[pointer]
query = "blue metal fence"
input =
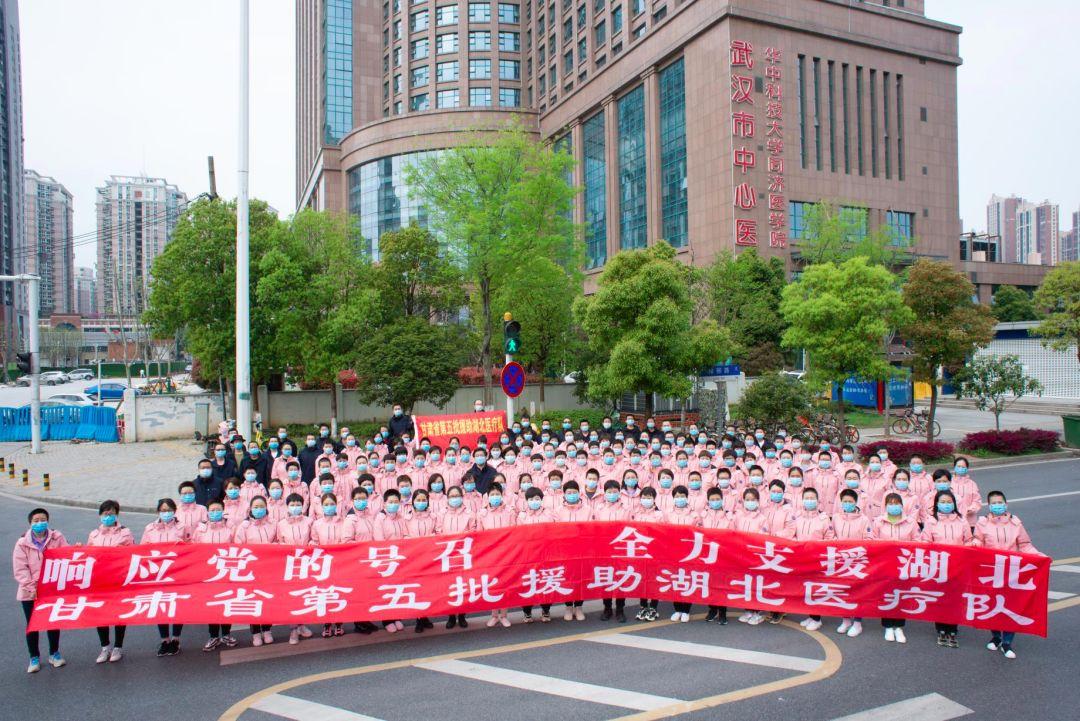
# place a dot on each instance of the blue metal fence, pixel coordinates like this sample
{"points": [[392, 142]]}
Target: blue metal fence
{"points": [[61, 423]]}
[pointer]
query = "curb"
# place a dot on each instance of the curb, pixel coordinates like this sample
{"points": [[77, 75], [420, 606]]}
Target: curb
{"points": [[72, 502], [976, 462]]}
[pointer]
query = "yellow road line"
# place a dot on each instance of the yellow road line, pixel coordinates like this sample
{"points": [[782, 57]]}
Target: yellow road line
{"points": [[1061, 605], [1063, 561], [828, 667]]}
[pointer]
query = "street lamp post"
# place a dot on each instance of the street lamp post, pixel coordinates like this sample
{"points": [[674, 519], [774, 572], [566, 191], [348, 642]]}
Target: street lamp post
{"points": [[33, 283], [243, 321]]}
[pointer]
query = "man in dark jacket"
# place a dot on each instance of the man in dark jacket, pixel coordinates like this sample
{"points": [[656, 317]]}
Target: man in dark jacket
{"points": [[258, 461], [480, 471], [400, 424], [207, 488], [223, 464], [308, 454], [324, 436]]}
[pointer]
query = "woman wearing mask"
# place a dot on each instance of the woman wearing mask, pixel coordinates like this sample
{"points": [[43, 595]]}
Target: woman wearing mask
{"points": [[496, 514], [217, 531], [812, 525], [167, 528], [946, 526], [390, 526], [420, 523], [26, 561], [457, 518], [850, 523], [750, 519], [189, 513], [294, 529], [570, 510], [968, 497], [714, 516], [900, 484], [610, 507], [110, 534], [295, 484], [235, 505], [257, 528], [332, 527], [893, 525], [646, 509]]}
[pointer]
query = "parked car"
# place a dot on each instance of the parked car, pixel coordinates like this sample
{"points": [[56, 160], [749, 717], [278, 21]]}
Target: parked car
{"points": [[81, 374], [48, 378], [70, 399], [53, 403], [108, 391]]}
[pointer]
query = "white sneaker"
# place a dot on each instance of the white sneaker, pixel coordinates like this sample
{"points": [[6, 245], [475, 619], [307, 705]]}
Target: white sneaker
{"points": [[813, 625], [294, 637], [756, 619], [1008, 653], [267, 637], [116, 655], [569, 615], [745, 618], [256, 639], [992, 646], [492, 622], [504, 621], [56, 660], [890, 634], [399, 625], [845, 624], [103, 657], [900, 637], [684, 617], [35, 665], [579, 614], [305, 632], [855, 630], [804, 622], [676, 616]]}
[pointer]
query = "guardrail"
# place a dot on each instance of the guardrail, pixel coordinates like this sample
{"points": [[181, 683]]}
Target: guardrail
{"points": [[61, 423]]}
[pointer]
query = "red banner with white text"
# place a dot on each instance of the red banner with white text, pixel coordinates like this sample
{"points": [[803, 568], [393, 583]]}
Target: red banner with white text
{"points": [[85, 586], [466, 427]]}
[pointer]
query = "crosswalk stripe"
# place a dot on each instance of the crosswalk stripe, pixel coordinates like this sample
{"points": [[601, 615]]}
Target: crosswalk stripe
{"points": [[1058, 595], [299, 709], [549, 685], [719, 653], [931, 707], [1066, 567]]}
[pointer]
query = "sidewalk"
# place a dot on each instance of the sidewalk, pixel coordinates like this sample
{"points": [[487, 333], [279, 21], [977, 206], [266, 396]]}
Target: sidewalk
{"points": [[958, 422], [84, 474]]}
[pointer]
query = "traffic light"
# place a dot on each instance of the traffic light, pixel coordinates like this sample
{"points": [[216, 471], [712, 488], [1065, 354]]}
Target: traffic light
{"points": [[23, 362], [511, 335]]}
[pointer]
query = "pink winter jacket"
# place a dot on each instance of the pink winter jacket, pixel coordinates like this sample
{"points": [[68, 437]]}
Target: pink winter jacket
{"points": [[1006, 533], [26, 561]]}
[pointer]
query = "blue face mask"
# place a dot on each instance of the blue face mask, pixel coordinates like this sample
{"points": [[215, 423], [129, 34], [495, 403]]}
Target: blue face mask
{"points": [[681, 502], [852, 483], [960, 470], [220, 453], [258, 513], [287, 452], [437, 487], [390, 466], [455, 501], [109, 519], [848, 457], [776, 496], [329, 510], [666, 482], [723, 482], [695, 485], [682, 463], [894, 509], [916, 467], [609, 460], [39, 527], [294, 511], [294, 474], [944, 507], [360, 504], [166, 516], [630, 482], [716, 504], [998, 509], [205, 472], [555, 484], [405, 491], [703, 463], [756, 480], [848, 506], [750, 505], [187, 497], [875, 467], [535, 503], [654, 462], [786, 462], [902, 485], [572, 497], [942, 486], [611, 496], [809, 504], [215, 516], [480, 460], [470, 486], [420, 505], [824, 464], [794, 481], [495, 501], [770, 454]]}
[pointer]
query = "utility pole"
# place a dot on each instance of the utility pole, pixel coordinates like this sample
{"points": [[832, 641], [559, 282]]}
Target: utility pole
{"points": [[35, 360], [213, 177], [243, 322]]}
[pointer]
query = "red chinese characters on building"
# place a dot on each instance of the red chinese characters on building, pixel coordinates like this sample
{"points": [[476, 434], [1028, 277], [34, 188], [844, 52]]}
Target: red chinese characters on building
{"points": [[744, 126]]}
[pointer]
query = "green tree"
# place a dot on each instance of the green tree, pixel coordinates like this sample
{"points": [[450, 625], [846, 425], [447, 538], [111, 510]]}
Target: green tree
{"points": [[774, 398], [991, 380], [1012, 305], [836, 233], [946, 326], [638, 325], [314, 286], [497, 199], [407, 361], [744, 296], [540, 295], [841, 315], [194, 287], [413, 277], [1059, 298]]}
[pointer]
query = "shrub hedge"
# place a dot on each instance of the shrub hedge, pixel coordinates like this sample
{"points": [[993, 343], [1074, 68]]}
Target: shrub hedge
{"points": [[900, 452], [1011, 443]]}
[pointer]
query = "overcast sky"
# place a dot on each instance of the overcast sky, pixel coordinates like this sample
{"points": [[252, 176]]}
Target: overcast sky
{"points": [[149, 86]]}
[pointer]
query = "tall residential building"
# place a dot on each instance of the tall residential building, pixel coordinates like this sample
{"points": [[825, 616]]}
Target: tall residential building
{"points": [[135, 219], [712, 125], [85, 293], [1001, 222], [1047, 233], [50, 253], [1036, 240], [13, 299]]}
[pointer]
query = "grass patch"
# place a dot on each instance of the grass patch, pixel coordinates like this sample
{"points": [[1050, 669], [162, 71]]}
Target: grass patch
{"points": [[983, 453], [864, 419]]}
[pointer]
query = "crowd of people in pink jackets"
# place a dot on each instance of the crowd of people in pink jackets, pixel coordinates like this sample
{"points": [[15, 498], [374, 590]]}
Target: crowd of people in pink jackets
{"points": [[392, 486]]}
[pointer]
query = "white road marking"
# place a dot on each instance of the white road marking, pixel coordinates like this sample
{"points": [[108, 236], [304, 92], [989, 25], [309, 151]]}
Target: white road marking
{"points": [[1066, 567], [1058, 595], [549, 685], [1039, 498], [719, 653], [299, 709], [1029, 463], [931, 707]]}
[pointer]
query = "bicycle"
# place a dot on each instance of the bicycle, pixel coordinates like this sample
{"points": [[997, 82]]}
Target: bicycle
{"points": [[913, 421]]}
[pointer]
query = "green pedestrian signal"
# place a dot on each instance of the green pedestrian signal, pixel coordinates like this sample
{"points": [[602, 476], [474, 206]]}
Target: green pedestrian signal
{"points": [[511, 337]]}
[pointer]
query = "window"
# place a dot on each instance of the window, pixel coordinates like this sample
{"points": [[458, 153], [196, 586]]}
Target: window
{"points": [[568, 62], [553, 78], [419, 21], [616, 20], [632, 206], [541, 86], [601, 33], [832, 117], [509, 41], [900, 127], [902, 226], [419, 76], [541, 55], [386, 91], [419, 102], [479, 12], [673, 193], [397, 108], [480, 40], [858, 116], [801, 102], [419, 49], [510, 69], [397, 57], [797, 217], [567, 30], [847, 121], [337, 79], [817, 113], [509, 13], [509, 97], [873, 123], [480, 69], [598, 5], [639, 31], [594, 162], [397, 83], [659, 14], [581, 16], [446, 72], [886, 115], [616, 48], [446, 15], [447, 98], [446, 43], [397, 30], [855, 221], [582, 50], [637, 7], [480, 97]]}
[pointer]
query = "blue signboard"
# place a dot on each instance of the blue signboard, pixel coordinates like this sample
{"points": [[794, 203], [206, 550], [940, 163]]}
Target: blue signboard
{"points": [[865, 393], [722, 369]]}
